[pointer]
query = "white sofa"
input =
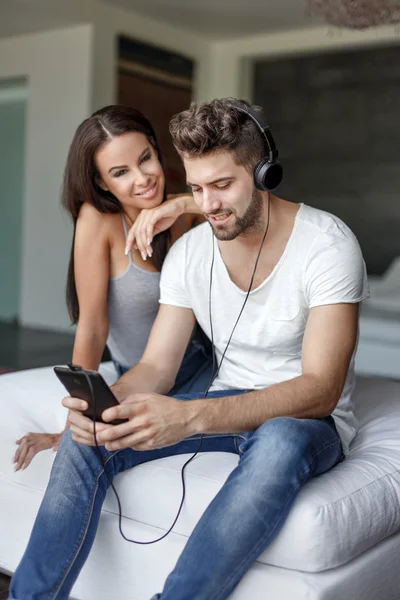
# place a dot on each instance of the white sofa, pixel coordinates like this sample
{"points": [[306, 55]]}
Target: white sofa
{"points": [[340, 542]]}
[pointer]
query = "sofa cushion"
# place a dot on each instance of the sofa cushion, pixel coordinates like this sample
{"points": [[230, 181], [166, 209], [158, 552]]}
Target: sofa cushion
{"points": [[336, 517]]}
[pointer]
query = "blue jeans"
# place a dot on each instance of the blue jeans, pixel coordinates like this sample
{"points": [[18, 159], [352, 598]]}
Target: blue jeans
{"points": [[195, 372], [275, 461]]}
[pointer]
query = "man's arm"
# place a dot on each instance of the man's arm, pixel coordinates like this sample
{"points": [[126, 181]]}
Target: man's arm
{"points": [[157, 369], [157, 421], [329, 341], [154, 373]]}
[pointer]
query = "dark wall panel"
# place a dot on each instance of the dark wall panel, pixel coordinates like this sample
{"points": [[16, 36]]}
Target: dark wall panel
{"points": [[336, 120]]}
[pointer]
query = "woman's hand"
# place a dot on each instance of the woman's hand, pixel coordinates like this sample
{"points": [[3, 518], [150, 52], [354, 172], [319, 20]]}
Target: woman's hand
{"points": [[32, 443], [152, 221]]}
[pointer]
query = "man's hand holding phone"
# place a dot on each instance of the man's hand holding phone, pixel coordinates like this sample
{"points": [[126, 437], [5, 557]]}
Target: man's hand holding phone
{"points": [[82, 428], [143, 421], [89, 396], [153, 421]]}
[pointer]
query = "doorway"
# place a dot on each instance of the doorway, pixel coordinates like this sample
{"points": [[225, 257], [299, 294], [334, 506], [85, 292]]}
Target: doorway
{"points": [[159, 84], [13, 103]]}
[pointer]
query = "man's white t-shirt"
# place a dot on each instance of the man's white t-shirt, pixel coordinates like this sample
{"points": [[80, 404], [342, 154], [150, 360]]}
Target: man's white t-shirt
{"points": [[321, 264]]}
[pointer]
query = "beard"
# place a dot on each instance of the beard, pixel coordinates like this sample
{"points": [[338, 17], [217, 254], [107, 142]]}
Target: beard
{"points": [[251, 223]]}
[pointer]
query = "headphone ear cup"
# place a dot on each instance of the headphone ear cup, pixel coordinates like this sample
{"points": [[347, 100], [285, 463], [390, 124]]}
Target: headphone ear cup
{"points": [[268, 175]]}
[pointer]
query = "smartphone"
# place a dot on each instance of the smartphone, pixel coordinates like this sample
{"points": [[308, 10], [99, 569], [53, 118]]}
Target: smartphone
{"points": [[74, 380]]}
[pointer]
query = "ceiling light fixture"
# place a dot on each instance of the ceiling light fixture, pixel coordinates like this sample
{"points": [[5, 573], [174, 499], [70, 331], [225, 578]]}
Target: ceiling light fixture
{"points": [[356, 14]]}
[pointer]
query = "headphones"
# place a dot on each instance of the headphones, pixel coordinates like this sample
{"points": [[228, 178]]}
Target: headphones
{"points": [[267, 176], [269, 171]]}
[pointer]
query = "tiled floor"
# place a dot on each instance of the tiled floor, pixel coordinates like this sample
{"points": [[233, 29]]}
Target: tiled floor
{"points": [[26, 348], [4, 583]]}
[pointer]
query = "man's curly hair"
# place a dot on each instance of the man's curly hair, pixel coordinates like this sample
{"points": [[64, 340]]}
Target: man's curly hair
{"points": [[206, 127]]}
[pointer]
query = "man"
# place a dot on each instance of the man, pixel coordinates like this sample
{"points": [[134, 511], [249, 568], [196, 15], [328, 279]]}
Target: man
{"points": [[285, 366]]}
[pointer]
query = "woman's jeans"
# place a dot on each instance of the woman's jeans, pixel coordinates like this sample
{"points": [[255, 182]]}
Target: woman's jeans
{"points": [[195, 372], [274, 462]]}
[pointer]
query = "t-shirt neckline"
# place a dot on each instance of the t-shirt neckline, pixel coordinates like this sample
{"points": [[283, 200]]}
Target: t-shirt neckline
{"points": [[278, 264]]}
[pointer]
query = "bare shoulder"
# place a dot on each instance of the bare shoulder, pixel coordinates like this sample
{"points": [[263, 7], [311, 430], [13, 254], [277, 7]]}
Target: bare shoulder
{"points": [[89, 215], [184, 224], [91, 220]]}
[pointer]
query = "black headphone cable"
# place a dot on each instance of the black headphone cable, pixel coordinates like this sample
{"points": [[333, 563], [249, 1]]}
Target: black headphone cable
{"points": [[213, 377]]}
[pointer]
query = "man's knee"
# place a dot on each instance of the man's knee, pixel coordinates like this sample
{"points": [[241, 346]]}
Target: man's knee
{"points": [[73, 457], [280, 441], [68, 447]]}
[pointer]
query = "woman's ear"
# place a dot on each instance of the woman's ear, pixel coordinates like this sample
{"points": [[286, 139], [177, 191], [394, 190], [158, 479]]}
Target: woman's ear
{"points": [[101, 184]]}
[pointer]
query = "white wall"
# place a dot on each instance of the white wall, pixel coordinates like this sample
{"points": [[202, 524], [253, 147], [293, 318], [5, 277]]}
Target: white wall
{"points": [[58, 67], [72, 72], [108, 21]]}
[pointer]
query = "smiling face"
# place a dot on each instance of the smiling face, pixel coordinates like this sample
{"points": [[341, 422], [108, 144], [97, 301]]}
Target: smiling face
{"points": [[225, 193], [129, 168]]}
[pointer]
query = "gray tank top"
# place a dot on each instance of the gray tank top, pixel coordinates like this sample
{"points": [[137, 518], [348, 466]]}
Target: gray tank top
{"points": [[133, 303]]}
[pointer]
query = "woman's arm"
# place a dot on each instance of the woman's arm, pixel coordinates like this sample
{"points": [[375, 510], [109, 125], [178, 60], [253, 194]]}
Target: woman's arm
{"points": [[151, 222], [187, 202], [92, 272]]}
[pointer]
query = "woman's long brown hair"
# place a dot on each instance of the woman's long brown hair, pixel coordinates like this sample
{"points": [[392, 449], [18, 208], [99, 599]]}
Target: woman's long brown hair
{"points": [[81, 178]]}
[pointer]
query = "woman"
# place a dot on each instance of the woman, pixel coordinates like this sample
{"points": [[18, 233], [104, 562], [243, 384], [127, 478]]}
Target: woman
{"points": [[114, 181]]}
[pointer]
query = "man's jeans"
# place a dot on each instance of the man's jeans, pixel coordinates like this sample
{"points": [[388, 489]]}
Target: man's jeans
{"points": [[275, 461]]}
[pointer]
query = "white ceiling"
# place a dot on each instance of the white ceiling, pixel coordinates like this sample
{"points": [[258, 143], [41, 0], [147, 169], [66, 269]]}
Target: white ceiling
{"points": [[225, 18], [18, 17], [215, 19]]}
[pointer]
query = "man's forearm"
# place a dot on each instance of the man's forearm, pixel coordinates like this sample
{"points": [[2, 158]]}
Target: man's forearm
{"points": [[143, 377], [305, 397]]}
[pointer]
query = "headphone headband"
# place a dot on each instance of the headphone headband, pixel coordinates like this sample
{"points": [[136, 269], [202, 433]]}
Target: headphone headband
{"points": [[262, 125], [268, 172]]}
